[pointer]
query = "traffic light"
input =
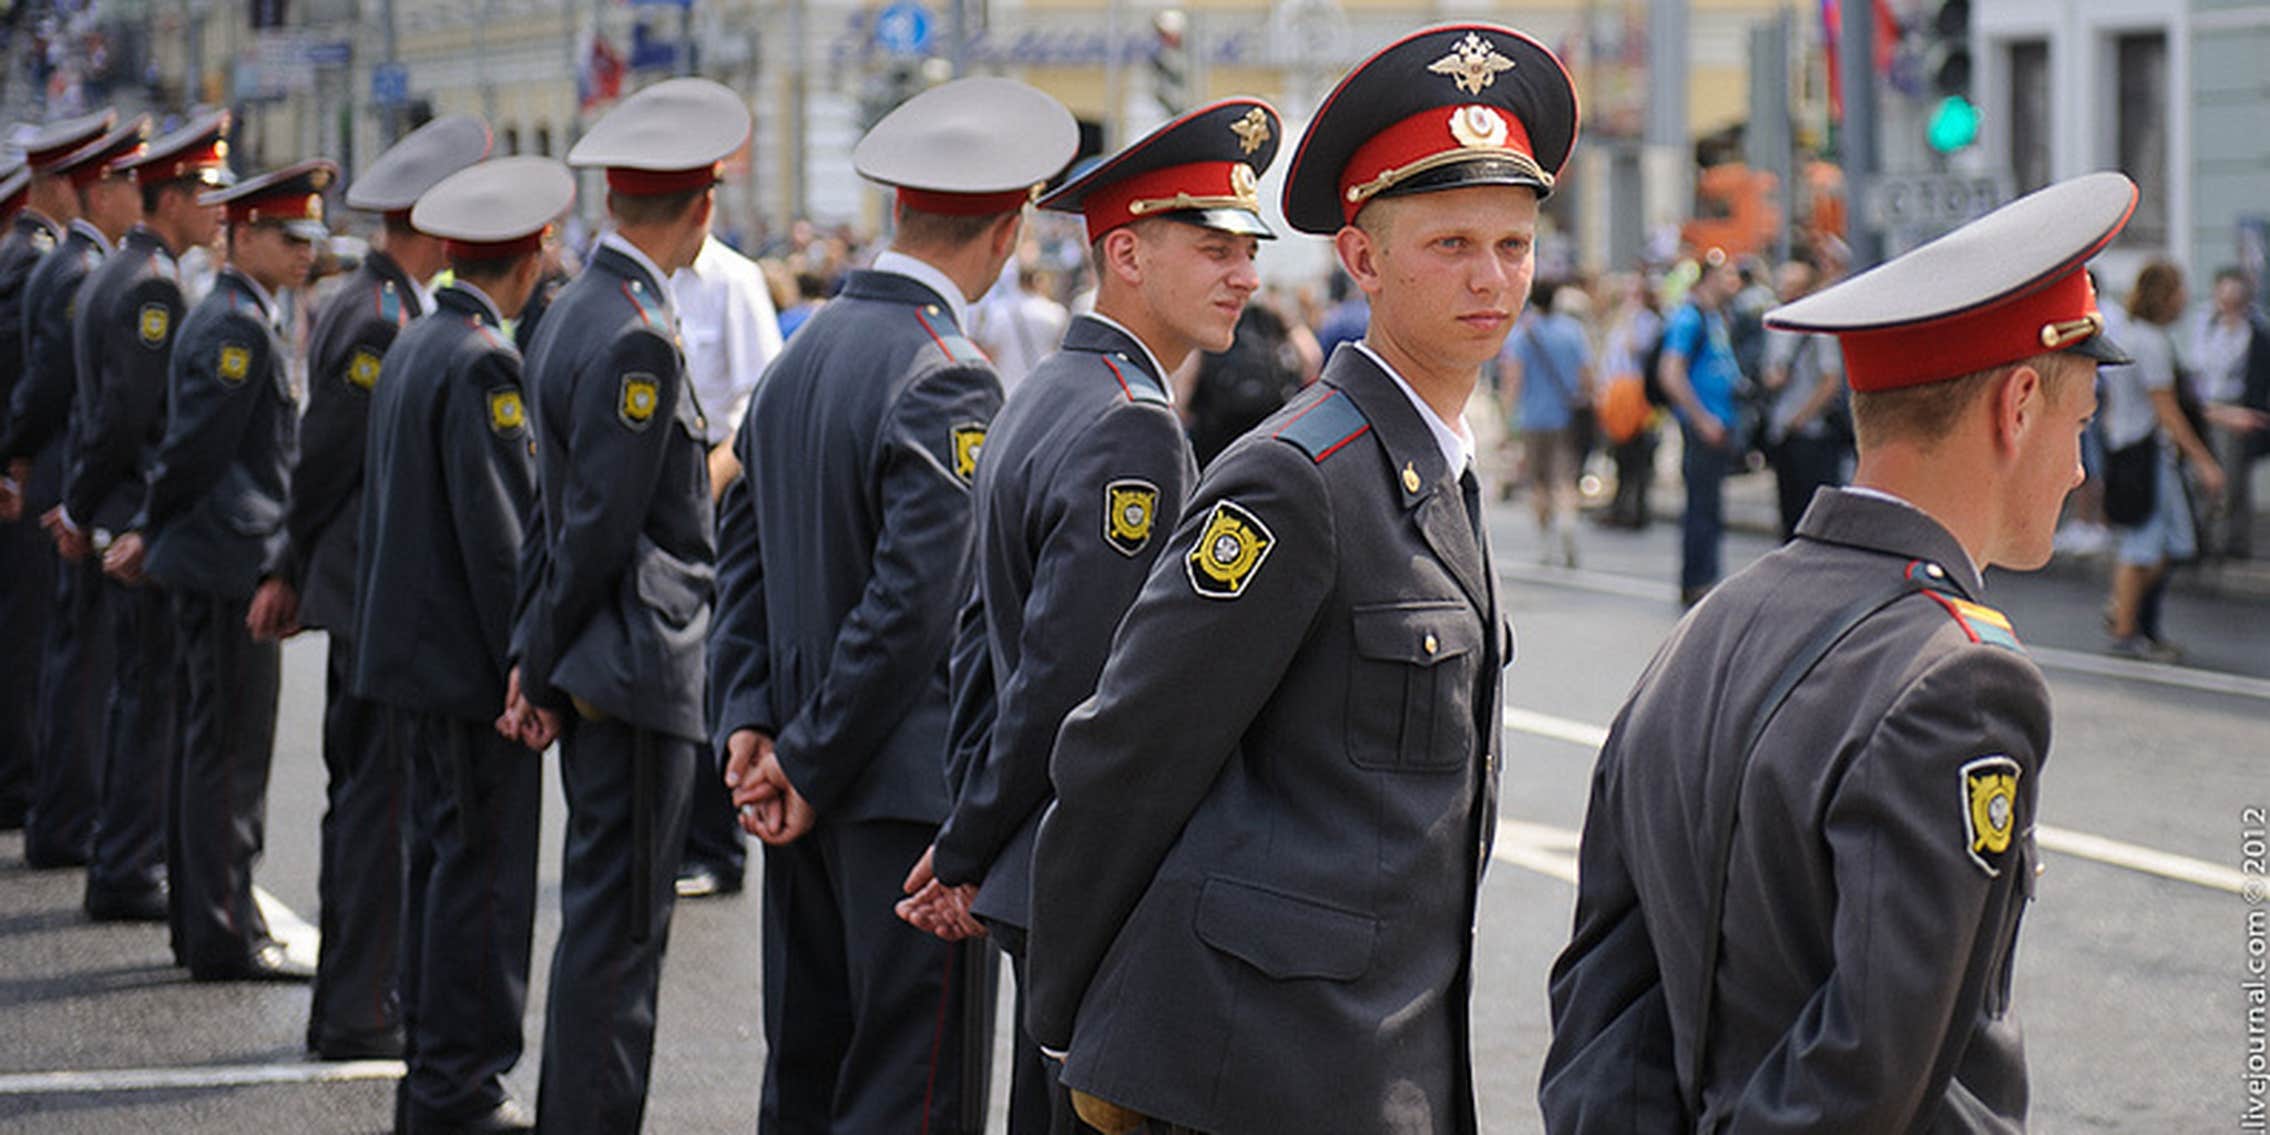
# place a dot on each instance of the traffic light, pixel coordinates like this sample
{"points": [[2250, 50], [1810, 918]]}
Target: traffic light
{"points": [[1170, 61], [1954, 120]]}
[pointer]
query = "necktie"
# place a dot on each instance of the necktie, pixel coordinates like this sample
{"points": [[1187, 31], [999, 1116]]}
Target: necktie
{"points": [[1470, 490]]}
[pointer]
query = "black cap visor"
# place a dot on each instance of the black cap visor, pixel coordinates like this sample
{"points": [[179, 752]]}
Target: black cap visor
{"points": [[1481, 169], [1239, 222], [2101, 348]]}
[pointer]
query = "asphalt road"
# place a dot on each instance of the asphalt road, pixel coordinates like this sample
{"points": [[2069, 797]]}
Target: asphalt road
{"points": [[2129, 975]]}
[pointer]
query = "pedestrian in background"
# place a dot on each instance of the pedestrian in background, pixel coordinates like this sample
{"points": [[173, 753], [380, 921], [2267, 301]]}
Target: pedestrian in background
{"points": [[1545, 372], [1231, 391], [1017, 324], [1629, 418], [1808, 424], [2231, 339], [1700, 379]]}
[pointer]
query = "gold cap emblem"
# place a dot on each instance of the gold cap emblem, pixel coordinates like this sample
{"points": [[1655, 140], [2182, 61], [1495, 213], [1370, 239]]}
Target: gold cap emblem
{"points": [[1474, 63], [1252, 131], [1478, 127]]}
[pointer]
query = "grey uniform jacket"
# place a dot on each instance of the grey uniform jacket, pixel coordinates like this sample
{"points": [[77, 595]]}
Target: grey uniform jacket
{"points": [[1253, 899], [130, 309], [1084, 458], [847, 549], [344, 355], [616, 569], [1883, 855], [445, 507], [39, 410], [214, 513], [30, 237]]}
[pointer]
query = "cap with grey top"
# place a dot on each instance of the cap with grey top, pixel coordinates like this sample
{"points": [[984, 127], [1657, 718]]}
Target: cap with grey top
{"points": [[92, 162], [667, 138], [196, 152], [2006, 287], [1203, 168], [497, 209], [970, 147], [55, 141], [292, 196], [422, 158], [15, 189]]}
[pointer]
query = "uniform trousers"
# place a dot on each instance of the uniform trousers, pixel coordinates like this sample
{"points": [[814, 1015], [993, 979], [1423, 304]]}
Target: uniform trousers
{"points": [[713, 831], [27, 592], [142, 739], [74, 689], [599, 1019], [469, 911], [862, 1011], [355, 1004], [1038, 1103], [221, 783]]}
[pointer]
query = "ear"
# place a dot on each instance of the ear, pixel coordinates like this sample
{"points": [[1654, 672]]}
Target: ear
{"points": [[1005, 234], [2019, 401], [1119, 259], [1359, 256]]}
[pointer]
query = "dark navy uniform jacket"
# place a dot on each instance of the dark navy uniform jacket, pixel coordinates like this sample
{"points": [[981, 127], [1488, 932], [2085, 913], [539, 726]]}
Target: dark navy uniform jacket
{"points": [[344, 355], [863, 441], [129, 312], [39, 411], [1883, 855], [30, 237], [445, 506], [214, 515], [1082, 461], [616, 599], [1253, 900]]}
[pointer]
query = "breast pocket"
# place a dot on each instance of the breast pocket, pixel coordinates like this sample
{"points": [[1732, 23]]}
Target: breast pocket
{"points": [[1411, 685]]}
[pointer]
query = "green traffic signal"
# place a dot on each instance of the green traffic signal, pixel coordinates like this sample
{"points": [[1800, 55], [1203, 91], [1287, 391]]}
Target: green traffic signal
{"points": [[1954, 124]]}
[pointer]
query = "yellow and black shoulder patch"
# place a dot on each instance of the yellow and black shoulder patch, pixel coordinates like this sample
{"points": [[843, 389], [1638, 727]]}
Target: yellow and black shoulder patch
{"points": [[506, 413], [641, 394], [1130, 509], [234, 363], [1230, 549], [968, 440], [1990, 811], [362, 369], [153, 324]]}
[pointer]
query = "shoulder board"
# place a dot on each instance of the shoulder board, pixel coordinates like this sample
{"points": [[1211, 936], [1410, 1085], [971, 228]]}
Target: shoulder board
{"points": [[649, 307], [1328, 424], [1981, 624], [488, 335], [389, 304], [957, 348], [1137, 382]]}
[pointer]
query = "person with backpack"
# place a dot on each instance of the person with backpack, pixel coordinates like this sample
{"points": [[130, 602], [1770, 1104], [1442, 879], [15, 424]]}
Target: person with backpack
{"points": [[1631, 406], [1700, 381], [1546, 371]]}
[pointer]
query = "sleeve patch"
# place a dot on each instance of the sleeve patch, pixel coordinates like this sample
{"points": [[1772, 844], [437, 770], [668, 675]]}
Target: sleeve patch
{"points": [[641, 393], [1990, 811], [968, 441], [234, 363], [1229, 551], [506, 413], [153, 324], [362, 369], [1130, 509]]}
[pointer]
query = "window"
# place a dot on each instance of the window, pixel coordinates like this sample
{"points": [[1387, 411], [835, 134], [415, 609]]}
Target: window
{"points": [[2029, 115], [508, 141], [543, 141], [2140, 131]]}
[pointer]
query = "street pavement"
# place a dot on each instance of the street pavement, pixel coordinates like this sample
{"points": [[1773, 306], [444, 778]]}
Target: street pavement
{"points": [[2129, 970]]}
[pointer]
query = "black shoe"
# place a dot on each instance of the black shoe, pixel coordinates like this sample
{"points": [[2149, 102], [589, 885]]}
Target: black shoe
{"points": [[701, 882], [41, 858], [268, 963], [376, 1046], [12, 813], [506, 1116], [139, 904]]}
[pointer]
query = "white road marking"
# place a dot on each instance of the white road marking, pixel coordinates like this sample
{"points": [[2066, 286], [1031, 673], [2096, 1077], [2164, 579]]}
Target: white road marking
{"points": [[2047, 657], [206, 1076], [1549, 850]]}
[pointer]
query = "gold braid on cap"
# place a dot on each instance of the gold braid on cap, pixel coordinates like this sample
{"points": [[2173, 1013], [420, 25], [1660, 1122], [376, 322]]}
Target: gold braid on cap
{"points": [[2058, 336], [1388, 179], [1245, 193]]}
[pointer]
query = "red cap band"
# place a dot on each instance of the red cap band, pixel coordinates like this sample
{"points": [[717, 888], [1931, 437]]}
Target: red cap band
{"points": [[1197, 185], [1434, 137], [1914, 354], [495, 249], [213, 155], [964, 204], [297, 206], [89, 172], [659, 182]]}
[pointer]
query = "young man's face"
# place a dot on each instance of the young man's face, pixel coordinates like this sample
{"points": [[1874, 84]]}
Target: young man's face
{"points": [[272, 256], [2048, 462], [114, 204], [1447, 272], [1197, 279]]}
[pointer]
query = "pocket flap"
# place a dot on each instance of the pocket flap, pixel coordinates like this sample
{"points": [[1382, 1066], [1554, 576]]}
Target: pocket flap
{"points": [[674, 588], [1283, 936], [1420, 634]]}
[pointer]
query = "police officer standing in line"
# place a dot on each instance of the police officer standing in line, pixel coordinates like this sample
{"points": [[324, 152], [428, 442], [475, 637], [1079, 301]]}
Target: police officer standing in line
{"points": [[354, 1013], [1272, 817], [452, 474], [846, 555], [75, 664], [1810, 836], [210, 531], [129, 310], [1084, 458], [618, 602]]}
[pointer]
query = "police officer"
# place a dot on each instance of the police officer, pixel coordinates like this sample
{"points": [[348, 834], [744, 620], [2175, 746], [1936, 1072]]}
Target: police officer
{"points": [[210, 530], [846, 554], [1810, 836], [27, 566], [129, 310], [619, 599], [452, 473], [1272, 816], [75, 662], [1085, 457], [354, 1012]]}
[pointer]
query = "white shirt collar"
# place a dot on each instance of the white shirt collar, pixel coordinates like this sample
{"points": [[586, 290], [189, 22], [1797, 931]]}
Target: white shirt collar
{"points": [[1149, 355], [487, 304], [1903, 502], [83, 225], [1456, 441], [654, 273], [259, 294], [425, 293], [927, 274]]}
